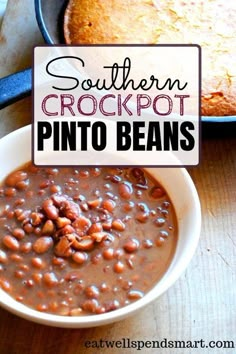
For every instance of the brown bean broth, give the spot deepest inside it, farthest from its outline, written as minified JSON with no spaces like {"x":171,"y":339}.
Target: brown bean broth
{"x":93,"y":281}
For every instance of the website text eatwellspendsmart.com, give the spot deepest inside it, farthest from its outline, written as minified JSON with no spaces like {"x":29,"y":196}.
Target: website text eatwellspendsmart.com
{"x":127,"y":343}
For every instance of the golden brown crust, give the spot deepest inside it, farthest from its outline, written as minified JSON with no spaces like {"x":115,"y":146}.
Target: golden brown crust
{"x":218,"y":104}
{"x":211,"y":24}
{"x":110,"y":21}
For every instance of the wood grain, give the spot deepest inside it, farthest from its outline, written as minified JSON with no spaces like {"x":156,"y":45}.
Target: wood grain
{"x":19,"y":34}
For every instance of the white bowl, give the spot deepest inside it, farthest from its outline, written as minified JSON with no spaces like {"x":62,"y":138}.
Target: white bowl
{"x":15,"y":150}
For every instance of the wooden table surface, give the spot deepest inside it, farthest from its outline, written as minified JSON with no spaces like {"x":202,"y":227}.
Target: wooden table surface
{"x":202,"y":303}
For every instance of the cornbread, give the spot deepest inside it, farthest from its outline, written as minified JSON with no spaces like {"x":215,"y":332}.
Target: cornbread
{"x":111,"y":21}
{"x":211,"y":24}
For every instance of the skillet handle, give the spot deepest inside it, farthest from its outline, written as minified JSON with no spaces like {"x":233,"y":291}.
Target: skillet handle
{"x":15,"y":87}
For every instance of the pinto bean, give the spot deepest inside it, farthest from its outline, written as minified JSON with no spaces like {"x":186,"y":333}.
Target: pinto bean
{"x":59,"y":261}
{"x":84,"y":173}
{"x":164,"y":233}
{"x":81,"y":224}
{"x":96,"y":227}
{"x":115,"y":179}
{"x":131,"y":245}
{"x":108,"y":253}
{"x":63,"y":247}
{"x":22,"y":185}
{"x":76,"y":311}
{"x":80,"y":257}
{"x":48,"y":228}
{"x":104,"y":287}
{"x":10,"y":192}
{"x":37,"y":277}
{"x":18,"y":233}
{"x":19,"y":201}
{"x":44,"y":184}
{"x":107,"y":225}
{"x":128,"y":206}
{"x":50,"y":210}
{"x":37,"y":231}
{"x":111,"y":305}
{"x":160,"y":241}
{"x":84,"y":206}
{"x":107,"y":241}
{"x":42,"y":244}
{"x":10,"y":214}
{"x":90,"y":305}
{"x":52,"y":171}
{"x":85,"y":244}
{"x":5,"y":285}
{"x":135,"y":294}
{"x":37,"y":262}
{"x":143,"y":207}
{"x":11,"y":243}
{"x":18,"y":212}
{"x":29,"y":194}
{"x":58,"y":199}
{"x":126,"y":284}
{"x":36,"y":218}
{"x":164,"y":213}
{"x":62,"y":222}
{"x":118,"y":254}
{"x":55,"y":188}
{"x":159,"y":222}
{"x":28,"y":228}
{"x":118,"y":225}
{"x":125,"y":190}
{"x":19,"y":274}
{"x":42,"y":307}
{"x":68,"y":229}
{"x":119,"y":267}
{"x":50,"y":279}
{"x":24,"y":267}
{"x":142,"y":185}
{"x":15,"y":177}
{"x":127,"y":219}
{"x":79,"y":197}
{"x":157,"y":192}
{"x":115,"y":171}
{"x":96,"y":258}
{"x":72,"y":276}
{"x":137,"y":173}
{"x":94,"y":203}
{"x":140,"y":178}
{"x":70,"y":209}
{"x":111,"y":195}
{"x":92,"y":292}
{"x":98,"y":236}
{"x":16,"y":257}
{"x":109,"y":205}
{"x":3,"y":257}
{"x":165,"y":204}
{"x":41,"y":192}
{"x":139,"y":194}
{"x":142,"y":216}
{"x":22,"y":215}
{"x":26,"y":247}
{"x":29,"y":283}
{"x":147,"y":243}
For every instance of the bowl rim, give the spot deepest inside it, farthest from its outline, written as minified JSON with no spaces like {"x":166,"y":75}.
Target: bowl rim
{"x":101,"y":319}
